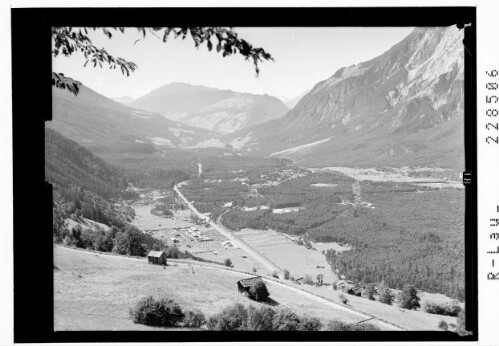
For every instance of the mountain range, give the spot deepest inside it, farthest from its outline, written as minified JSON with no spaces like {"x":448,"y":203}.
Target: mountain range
{"x":290,"y":103}
{"x":108,"y":127}
{"x":404,"y":107}
{"x":224,"y":111}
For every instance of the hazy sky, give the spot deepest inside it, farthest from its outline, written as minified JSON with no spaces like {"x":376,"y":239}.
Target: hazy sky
{"x":303,"y":57}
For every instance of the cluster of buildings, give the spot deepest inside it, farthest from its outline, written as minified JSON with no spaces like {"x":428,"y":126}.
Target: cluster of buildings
{"x":196,"y":234}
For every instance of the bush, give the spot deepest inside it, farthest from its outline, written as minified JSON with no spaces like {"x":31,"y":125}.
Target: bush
{"x":337,"y":325}
{"x":310,"y":324}
{"x":442,"y":309}
{"x":260,"y":318}
{"x":343,"y":298}
{"x":385,"y":296}
{"x":160,"y":313}
{"x":286,"y":274}
{"x":285,"y":320}
{"x":233,"y":317}
{"x":461,"y":324}
{"x":227,"y":262}
{"x":307,"y":279}
{"x":369,"y":292}
{"x":409,"y":298}
{"x":193,"y":319}
{"x":443,"y":325}
{"x":258,"y":291}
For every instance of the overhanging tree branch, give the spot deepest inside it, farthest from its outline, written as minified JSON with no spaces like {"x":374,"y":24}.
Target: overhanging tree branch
{"x":68,"y":40}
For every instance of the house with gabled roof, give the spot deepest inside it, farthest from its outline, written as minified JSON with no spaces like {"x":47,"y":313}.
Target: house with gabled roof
{"x":157,"y":257}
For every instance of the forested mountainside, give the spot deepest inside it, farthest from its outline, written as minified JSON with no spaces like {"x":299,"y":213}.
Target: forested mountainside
{"x":68,"y":163}
{"x":83,"y":184}
{"x":404,"y":107}
{"x":107,"y":127}
{"x":89,"y":207}
{"x":223,"y":111}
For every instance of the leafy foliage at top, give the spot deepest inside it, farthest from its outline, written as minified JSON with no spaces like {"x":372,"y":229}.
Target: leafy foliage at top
{"x":67,"y":41}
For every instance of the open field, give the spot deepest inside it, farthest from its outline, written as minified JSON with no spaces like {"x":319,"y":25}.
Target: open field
{"x":407,"y":319}
{"x":178,"y":227}
{"x":287,"y":254}
{"x":400,"y":175}
{"x":144,"y":220}
{"x":94,"y":291}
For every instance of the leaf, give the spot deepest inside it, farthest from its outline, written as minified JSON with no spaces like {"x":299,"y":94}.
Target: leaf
{"x":210,"y":45}
{"x":219,"y":47}
{"x":165,"y":35}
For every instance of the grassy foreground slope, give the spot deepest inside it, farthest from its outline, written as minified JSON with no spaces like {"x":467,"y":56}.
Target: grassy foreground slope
{"x":95,"y":291}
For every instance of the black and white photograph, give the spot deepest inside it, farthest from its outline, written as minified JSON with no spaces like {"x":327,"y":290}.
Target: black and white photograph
{"x":256,"y":182}
{"x":257,"y":178}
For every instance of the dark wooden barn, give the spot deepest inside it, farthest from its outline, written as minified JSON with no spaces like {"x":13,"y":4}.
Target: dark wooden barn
{"x":355,"y":291}
{"x":157,"y":257}
{"x":244,"y":285}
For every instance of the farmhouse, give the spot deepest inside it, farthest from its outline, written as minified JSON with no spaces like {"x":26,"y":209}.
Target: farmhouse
{"x":354,"y":290}
{"x":244,"y":285}
{"x":157,"y":257}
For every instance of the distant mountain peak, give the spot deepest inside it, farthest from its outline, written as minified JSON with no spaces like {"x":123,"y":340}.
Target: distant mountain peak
{"x":214,"y":109}
{"x":402,"y":107}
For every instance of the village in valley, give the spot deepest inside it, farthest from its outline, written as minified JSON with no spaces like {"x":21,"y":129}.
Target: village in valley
{"x":266,"y":255}
{"x":262,"y":251}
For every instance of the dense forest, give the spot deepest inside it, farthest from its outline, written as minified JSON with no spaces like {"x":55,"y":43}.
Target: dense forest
{"x":85,"y":187}
{"x":68,"y":163}
{"x":415,"y":238}
{"x":399,"y":232}
{"x":156,"y":178}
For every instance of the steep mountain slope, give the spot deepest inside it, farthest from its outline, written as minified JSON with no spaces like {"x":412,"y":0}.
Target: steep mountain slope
{"x":68,"y":163}
{"x":404,"y":107}
{"x":107,"y":127}
{"x":126,"y":100}
{"x":294,"y":101}
{"x":224,"y":111}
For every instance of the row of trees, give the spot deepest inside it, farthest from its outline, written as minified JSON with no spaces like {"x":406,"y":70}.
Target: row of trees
{"x":235,"y":317}
{"x":74,"y":202}
{"x":125,"y":241}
